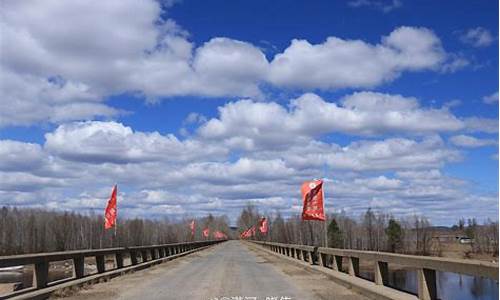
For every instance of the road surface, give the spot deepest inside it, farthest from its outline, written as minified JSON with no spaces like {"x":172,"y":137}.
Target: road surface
{"x":231,"y":270}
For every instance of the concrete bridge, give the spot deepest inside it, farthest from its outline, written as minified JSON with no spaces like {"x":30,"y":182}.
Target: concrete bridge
{"x":226,"y":270}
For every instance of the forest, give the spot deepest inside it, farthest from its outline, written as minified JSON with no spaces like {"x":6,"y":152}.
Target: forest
{"x":377,"y":231}
{"x":38,"y":230}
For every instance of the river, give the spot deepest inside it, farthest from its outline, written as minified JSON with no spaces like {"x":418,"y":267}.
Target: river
{"x":450,"y":286}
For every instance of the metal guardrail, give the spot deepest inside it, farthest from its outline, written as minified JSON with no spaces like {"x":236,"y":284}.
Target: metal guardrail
{"x":426,"y":267}
{"x":140,"y":257}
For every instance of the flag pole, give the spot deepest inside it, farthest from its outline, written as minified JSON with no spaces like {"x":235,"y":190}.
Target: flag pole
{"x":325,"y":225}
{"x":116,"y":221}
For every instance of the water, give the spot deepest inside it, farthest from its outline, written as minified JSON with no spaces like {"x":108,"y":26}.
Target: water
{"x":450,"y":286}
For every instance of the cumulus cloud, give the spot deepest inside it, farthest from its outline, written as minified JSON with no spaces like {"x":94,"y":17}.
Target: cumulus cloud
{"x":98,"y":142}
{"x":477,"y":37}
{"x":251,"y":125}
{"x":19,"y":156}
{"x":339,"y":63}
{"x":156,"y":174}
{"x":471,"y":142}
{"x":66,"y":71}
{"x":383,"y":155}
{"x":478,"y":124}
{"x":28,"y":99}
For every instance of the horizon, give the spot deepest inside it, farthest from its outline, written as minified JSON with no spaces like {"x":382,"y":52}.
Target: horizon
{"x":202,"y":107}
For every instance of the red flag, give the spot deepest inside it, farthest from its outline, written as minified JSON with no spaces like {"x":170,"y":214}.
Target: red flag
{"x":248,"y":233}
{"x":312,"y":196}
{"x":206,"y":232}
{"x":192,"y":227}
{"x":219,"y":235}
{"x":263,"y":225}
{"x":110,"y":212}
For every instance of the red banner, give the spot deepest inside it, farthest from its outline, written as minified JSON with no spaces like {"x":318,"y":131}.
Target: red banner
{"x":206,"y":232}
{"x":263,"y":228}
{"x":312,"y":196}
{"x":110,"y":212}
{"x":220,"y":235}
{"x":248,"y":233}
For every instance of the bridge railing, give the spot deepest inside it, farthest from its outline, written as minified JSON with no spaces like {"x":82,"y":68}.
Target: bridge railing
{"x":425,"y":267}
{"x":139,"y":257}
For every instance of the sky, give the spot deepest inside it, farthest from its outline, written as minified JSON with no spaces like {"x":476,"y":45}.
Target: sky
{"x":197,"y":107}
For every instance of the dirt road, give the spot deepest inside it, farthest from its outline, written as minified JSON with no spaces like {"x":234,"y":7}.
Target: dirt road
{"x":227,"y":271}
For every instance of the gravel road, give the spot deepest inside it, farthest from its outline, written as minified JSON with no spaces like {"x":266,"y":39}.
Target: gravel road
{"x":231,"y":270}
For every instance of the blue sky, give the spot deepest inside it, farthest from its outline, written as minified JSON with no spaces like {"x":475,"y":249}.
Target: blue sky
{"x":198,"y":107}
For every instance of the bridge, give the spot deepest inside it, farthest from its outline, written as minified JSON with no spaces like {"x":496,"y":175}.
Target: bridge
{"x":231,"y":270}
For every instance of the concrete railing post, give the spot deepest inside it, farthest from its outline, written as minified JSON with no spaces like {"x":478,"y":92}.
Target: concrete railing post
{"x":119,"y":260}
{"x":100,"y":263}
{"x":310,"y":257}
{"x":381,"y":273}
{"x":353,"y":266}
{"x":321,"y":259}
{"x":426,"y":284}
{"x":144,"y":254}
{"x":337,"y":263}
{"x":41,"y":274}
{"x":79,"y":266}
{"x":133,"y":257}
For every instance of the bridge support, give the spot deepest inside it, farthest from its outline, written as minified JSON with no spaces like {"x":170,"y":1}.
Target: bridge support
{"x":337,"y":263}
{"x":41,"y":274}
{"x":381,"y":273}
{"x":133,"y":257}
{"x":353,"y":266}
{"x":427,"y":289}
{"x":100,"y":263}
{"x":119,"y":260}
{"x":79,"y":267}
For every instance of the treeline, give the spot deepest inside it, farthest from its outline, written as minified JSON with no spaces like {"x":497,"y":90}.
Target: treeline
{"x":374,"y":231}
{"x":37,"y":230}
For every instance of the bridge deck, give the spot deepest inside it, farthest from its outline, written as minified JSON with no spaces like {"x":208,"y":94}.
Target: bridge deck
{"x":226,"y":270}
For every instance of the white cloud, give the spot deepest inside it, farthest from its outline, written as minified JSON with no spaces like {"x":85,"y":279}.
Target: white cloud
{"x":491,"y":99}
{"x":477,"y":37}
{"x":379,"y":183}
{"x":339,"y":63}
{"x":100,"y":52}
{"x":471,"y":142}
{"x":154,"y":175}
{"x":383,"y":155}
{"x":232,"y":66}
{"x":28,"y":99}
{"x":19,"y":156}
{"x":252,"y":125}
{"x":98,"y":142}
{"x":478,"y":124}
